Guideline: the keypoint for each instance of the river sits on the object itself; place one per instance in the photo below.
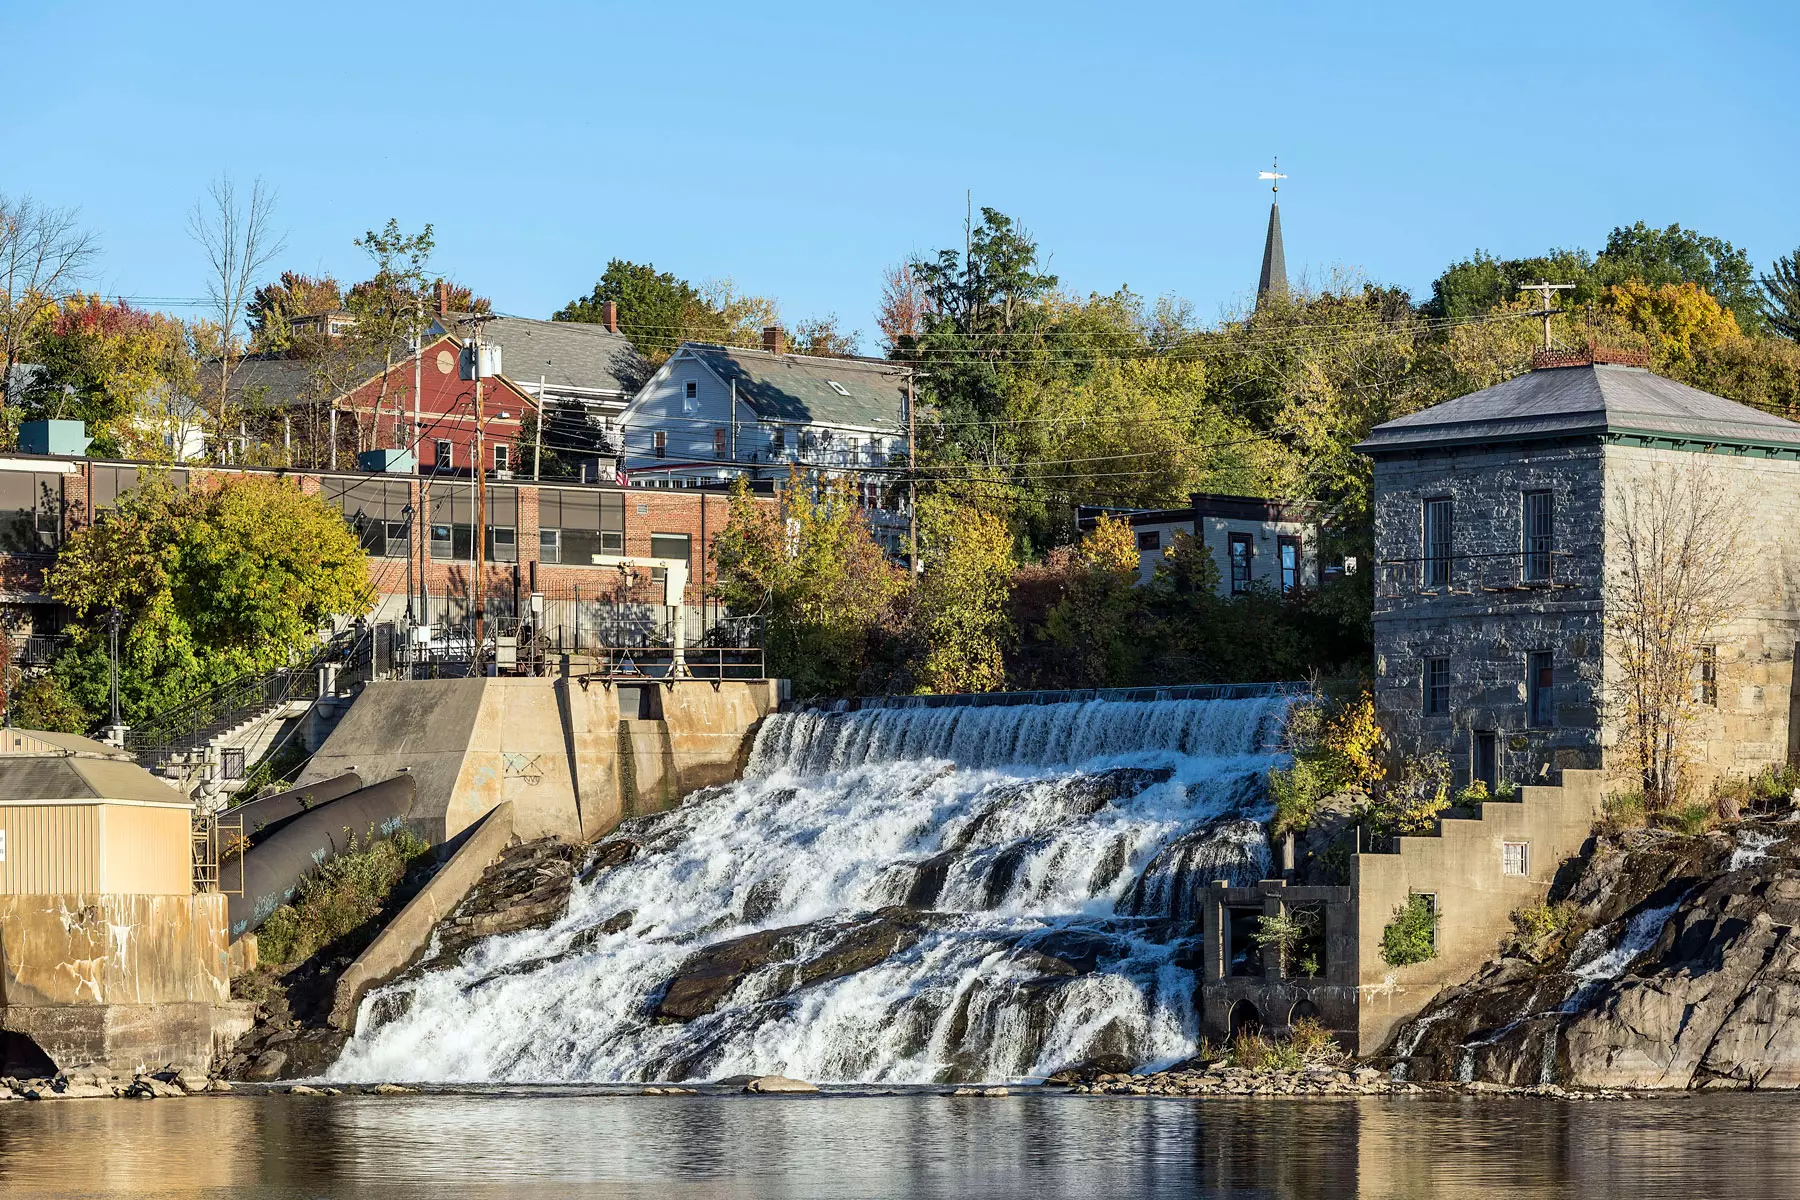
(547, 1142)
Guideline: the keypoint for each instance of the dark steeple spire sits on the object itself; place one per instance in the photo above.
(1274, 267)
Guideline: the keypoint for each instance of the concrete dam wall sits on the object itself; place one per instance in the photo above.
(572, 760)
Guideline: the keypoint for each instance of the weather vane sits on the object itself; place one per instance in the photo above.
(1274, 174)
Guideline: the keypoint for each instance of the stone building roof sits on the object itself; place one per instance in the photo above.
(1590, 400)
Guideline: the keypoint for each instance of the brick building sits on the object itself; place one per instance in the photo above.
(586, 548)
(1492, 544)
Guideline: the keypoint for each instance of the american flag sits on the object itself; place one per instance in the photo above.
(621, 478)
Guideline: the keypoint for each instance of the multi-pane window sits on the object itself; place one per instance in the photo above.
(778, 442)
(1540, 543)
(690, 396)
(1240, 547)
(550, 545)
(1540, 685)
(502, 457)
(1437, 685)
(1515, 858)
(576, 524)
(443, 455)
(659, 439)
(452, 523)
(1706, 676)
(719, 438)
(1289, 550)
(1437, 542)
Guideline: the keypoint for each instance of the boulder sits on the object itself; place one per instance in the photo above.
(778, 1083)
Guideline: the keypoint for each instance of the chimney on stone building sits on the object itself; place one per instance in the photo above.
(774, 339)
(609, 316)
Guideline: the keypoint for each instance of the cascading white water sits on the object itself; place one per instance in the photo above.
(932, 894)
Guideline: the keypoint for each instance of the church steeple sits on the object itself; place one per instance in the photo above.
(1274, 264)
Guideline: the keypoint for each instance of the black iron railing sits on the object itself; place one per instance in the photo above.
(1463, 574)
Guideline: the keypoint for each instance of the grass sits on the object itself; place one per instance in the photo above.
(347, 893)
(1307, 1043)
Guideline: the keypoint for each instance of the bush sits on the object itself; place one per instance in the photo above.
(1254, 1052)
(1409, 803)
(1694, 817)
(1314, 1043)
(348, 892)
(1335, 746)
(1411, 937)
(1539, 929)
(1474, 795)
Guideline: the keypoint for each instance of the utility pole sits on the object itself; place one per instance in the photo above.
(537, 450)
(480, 505)
(912, 482)
(1546, 293)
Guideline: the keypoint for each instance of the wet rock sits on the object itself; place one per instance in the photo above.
(300, 1089)
(708, 979)
(267, 1066)
(778, 1083)
(392, 1089)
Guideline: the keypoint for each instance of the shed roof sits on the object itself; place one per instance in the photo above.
(42, 767)
(1584, 401)
(797, 388)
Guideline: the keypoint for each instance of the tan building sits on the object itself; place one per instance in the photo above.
(109, 955)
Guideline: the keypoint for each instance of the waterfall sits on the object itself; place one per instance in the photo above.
(898, 894)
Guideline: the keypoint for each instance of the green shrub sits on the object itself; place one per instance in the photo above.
(1474, 795)
(1411, 937)
(1314, 1043)
(1693, 817)
(1254, 1052)
(345, 895)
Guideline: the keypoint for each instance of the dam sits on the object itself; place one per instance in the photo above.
(921, 891)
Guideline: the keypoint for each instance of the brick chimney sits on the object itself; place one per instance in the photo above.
(443, 297)
(774, 340)
(609, 316)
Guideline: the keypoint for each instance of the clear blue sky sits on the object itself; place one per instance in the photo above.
(801, 148)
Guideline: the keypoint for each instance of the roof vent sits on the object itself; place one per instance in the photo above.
(837, 387)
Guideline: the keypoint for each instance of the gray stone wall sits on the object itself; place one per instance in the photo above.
(1489, 619)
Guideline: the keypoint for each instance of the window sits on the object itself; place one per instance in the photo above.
(443, 458)
(690, 396)
(1487, 760)
(719, 436)
(502, 457)
(1240, 939)
(502, 544)
(1289, 549)
(1515, 858)
(1437, 542)
(778, 442)
(612, 542)
(669, 545)
(1149, 539)
(1540, 678)
(578, 524)
(660, 440)
(1706, 676)
(1241, 551)
(837, 387)
(1539, 523)
(550, 545)
(1437, 685)
(452, 542)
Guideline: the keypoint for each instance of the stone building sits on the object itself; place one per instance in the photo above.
(1491, 544)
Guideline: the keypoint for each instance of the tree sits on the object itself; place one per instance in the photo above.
(653, 306)
(128, 375)
(43, 254)
(1676, 540)
(902, 313)
(1781, 296)
(1093, 626)
(811, 569)
(1676, 319)
(1675, 256)
(211, 583)
(822, 337)
(958, 615)
(390, 309)
(238, 237)
(274, 306)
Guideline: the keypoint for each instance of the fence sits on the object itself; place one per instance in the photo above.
(1465, 574)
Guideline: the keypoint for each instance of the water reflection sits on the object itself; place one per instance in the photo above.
(530, 1145)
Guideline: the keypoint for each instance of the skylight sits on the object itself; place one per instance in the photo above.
(837, 387)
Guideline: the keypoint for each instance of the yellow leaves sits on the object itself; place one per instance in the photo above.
(1108, 548)
(960, 603)
(1354, 733)
(1676, 318)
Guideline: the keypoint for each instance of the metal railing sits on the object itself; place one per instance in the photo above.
(1466, 574)
(193, 724)
(658, 662)
(39, 649)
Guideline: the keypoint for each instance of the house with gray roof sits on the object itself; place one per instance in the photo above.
(714, 413)
(571, 363)
(1497, 531)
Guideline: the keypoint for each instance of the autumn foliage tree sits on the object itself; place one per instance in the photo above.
(959, 619)
(211, 583)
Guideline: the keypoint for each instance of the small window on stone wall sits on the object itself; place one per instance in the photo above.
(1437, 685)
(1515, 858)
(1706, 676)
